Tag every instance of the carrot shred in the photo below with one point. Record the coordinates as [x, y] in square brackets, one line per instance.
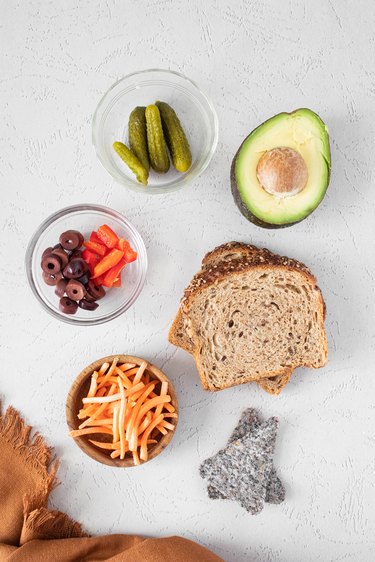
[108, 373]
[88, 430]
[121, 419]
[153, 424]
[140, 372]
[115, 424]
[103, 445]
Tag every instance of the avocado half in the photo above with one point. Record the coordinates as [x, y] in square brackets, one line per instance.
[304, 132]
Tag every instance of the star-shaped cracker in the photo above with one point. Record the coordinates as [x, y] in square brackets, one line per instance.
[243, 471]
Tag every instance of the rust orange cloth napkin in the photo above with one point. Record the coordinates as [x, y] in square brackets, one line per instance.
[31, 532]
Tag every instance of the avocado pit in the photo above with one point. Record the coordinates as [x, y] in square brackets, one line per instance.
[282, 172]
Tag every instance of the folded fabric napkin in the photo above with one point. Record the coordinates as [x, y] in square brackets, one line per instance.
[31, 532]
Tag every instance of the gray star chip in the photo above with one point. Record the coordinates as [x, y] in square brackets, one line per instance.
[275, 491]
[242, 470]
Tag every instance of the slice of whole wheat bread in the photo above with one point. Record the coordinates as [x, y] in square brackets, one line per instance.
[178, 334]
[253, 319]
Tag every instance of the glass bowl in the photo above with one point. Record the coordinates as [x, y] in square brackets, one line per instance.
[86, 218]
[194, 109]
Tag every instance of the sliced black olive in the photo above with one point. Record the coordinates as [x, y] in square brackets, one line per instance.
[95, 291]
[68, 306]
[85, 278]
[51, 279]
[71, 239]
[51, 264]
[47, 251]
[62, 255]
[60, 287]
[76, 254]
[75, 290]
[75, 269]
[87, 305]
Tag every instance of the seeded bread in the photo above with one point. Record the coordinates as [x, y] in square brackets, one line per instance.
[255, 319]
[178, 334]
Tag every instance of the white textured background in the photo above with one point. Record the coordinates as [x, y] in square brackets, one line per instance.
[254, 59]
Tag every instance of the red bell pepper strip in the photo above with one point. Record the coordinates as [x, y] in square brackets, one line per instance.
[95, 238]
[109, 261]
[129, 254]
[95, 247]
[107, 236]
[90, 258]
[99, 280]
[113, 273]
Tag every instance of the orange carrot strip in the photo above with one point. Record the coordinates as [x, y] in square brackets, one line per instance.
[99, 410]
[145, 436]
[139, 374]
[101, 399]
[105, 421]
[161, 429]
[115, 424]
[167, 415]
[112, 446]
[121, 418]
[126, 366]
[88, 430]
[93, 384]
[103, 369]
[131, 434]
[125, 380]
[136, 458]
[168, 407]
[163, 392]
[108, 373]
[154, 402]
[167, 425]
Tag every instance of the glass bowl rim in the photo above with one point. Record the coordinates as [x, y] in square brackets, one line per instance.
[177, 184]
[65, 212]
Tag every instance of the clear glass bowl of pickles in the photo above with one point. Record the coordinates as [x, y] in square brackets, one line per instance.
[155, 131]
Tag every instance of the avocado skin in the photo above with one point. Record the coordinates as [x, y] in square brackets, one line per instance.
[241, 205]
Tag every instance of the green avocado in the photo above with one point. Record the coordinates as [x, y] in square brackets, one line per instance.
[296, 169]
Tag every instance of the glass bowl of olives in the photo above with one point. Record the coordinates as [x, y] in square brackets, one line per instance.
[57, 273]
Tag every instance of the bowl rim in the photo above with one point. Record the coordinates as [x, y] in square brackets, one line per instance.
[179, 183]
[65, 211]
[72, 420]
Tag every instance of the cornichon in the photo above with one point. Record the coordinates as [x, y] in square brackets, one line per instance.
[175, 137]
[131, 161]
[157, 148]
[138, 135]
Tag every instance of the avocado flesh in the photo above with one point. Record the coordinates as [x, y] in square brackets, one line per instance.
[305, 132]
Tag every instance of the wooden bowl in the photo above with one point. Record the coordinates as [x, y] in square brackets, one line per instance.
[79, 390]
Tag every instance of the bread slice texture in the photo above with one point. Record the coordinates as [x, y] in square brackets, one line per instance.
[178, 334]
[254, 319]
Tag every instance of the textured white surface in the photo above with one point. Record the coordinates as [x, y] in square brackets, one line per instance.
[253, 59]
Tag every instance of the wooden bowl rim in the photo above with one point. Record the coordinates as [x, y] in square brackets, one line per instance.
[73, 422]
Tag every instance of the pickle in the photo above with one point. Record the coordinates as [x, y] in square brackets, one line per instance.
[131, 161]
[175, 136]
[157, 148]
[138, 136]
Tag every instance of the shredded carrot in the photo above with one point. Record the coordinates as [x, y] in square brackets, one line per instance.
[108, 373]
[154, 423]
[127, 403]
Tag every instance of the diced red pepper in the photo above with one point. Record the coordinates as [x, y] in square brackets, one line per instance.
[95, 238]
[90, 258]
[117, 282]
[95, 247]
[129, 254]
[99, 280]
[111, 275]
[107, 236]
[109, 261]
